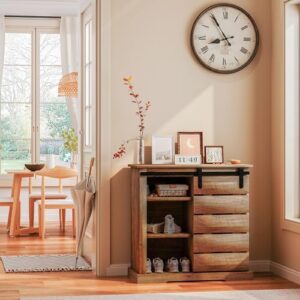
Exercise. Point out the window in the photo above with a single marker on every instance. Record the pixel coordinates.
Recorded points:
(32, 116)
(292, 115)
(87, 77)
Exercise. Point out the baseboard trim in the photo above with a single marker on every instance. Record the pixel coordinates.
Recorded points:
(122, 269)
(260, 266)
(285, 272)
(117, 270)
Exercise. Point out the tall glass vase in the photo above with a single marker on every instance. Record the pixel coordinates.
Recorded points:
(139, 151)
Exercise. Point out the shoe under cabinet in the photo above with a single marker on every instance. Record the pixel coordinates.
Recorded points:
(211, 222)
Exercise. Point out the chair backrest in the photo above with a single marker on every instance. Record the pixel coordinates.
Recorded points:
(58, 172)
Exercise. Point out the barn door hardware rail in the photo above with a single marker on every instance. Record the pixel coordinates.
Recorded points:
(240, 172)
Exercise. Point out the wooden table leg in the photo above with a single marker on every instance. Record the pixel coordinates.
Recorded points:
(15, 208)
(30, 185)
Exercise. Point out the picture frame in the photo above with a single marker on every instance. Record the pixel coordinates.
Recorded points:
(162, 150)
(190, 143)
(214, 154)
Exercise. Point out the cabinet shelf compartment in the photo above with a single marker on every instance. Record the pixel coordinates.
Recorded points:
(182, 235)
(167, 248)
(168, 199)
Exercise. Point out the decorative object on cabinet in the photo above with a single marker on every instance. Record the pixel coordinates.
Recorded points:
(235, 161)
(190, 143)
(162, 150)
(224, 38)
(141, 112)
(213, 216)
(214, 154)
(187, 159)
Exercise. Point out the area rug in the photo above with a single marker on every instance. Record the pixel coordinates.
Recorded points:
(287, 294)
(43, 263)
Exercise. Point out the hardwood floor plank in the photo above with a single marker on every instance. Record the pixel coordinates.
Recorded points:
(15, 285)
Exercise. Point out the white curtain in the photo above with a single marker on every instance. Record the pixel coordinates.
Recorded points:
(2, 45)
(70, 57)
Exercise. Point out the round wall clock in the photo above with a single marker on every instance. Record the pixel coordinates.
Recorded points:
(224, 38)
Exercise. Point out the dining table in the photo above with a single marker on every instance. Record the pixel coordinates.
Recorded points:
(15, 225)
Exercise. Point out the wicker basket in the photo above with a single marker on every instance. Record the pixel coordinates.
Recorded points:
(171, 190)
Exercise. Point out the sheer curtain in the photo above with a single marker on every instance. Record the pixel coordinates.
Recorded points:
(2, 45)
(70, 59)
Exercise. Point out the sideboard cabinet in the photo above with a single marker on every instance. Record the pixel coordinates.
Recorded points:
(214, 217)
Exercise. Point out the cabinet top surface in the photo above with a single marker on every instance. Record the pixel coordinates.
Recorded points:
(204, 166)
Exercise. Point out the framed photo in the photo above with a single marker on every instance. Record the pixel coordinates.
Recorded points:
(214, 154)
(162, 150)
(190, 143)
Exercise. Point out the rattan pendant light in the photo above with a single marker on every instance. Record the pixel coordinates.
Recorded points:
(68, 85)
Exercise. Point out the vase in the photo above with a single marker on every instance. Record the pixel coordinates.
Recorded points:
(73, 162)
(139, 151)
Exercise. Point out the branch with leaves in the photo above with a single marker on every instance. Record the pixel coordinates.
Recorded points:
(141, 112)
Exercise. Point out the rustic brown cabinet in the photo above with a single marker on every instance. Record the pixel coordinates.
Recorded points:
(214, 217)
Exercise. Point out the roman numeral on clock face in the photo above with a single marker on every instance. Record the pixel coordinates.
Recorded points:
(244, 27)
(204, 49)
(247, 39)
(212, 58)
(202, 38)
(224, 62)
(225, 14)
(244, 50)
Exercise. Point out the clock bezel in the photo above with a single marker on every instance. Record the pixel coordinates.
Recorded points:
(256, 42)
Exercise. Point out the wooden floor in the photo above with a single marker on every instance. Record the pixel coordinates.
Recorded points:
(13, 286)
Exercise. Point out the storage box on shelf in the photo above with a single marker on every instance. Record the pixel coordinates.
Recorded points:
(213, 216)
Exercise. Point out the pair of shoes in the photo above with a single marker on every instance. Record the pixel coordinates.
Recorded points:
(158, 265)
(172, 265)
(170, 226)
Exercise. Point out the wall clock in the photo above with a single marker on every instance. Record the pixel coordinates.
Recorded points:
(224, 38)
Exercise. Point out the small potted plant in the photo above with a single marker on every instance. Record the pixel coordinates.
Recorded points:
(71, 145)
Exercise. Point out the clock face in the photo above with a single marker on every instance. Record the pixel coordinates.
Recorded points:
(224, 38)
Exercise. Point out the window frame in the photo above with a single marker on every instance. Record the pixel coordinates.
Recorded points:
(87, 19)
(290, 219)
(34, 26)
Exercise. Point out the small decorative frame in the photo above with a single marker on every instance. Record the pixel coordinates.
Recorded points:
(162, 150)
(214, 154)
(190, 143)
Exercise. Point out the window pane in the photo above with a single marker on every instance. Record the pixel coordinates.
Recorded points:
(87, 42)
(50, 49)
(16, 84)
(54, 114)
(17, 49)
(49, 80)
(15, 137)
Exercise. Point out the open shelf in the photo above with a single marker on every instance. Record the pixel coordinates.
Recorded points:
(182, 235)
(167, 199)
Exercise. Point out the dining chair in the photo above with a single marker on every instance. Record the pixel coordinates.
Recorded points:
(60, 204)
(48, 196)
(8, 202)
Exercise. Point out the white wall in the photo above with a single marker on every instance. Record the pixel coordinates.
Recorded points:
(150, 41)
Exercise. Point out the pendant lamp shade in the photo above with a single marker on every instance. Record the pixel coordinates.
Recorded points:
(68, 85)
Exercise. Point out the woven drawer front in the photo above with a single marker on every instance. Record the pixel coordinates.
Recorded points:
(221, 223)
(221, 185)
(233, 204)
(220, 262)
(232, 242)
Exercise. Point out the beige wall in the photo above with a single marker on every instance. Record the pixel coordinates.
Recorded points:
(285, 243)
(150, 40)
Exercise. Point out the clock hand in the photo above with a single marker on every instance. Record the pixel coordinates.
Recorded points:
(218, 25)
(217, 41)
